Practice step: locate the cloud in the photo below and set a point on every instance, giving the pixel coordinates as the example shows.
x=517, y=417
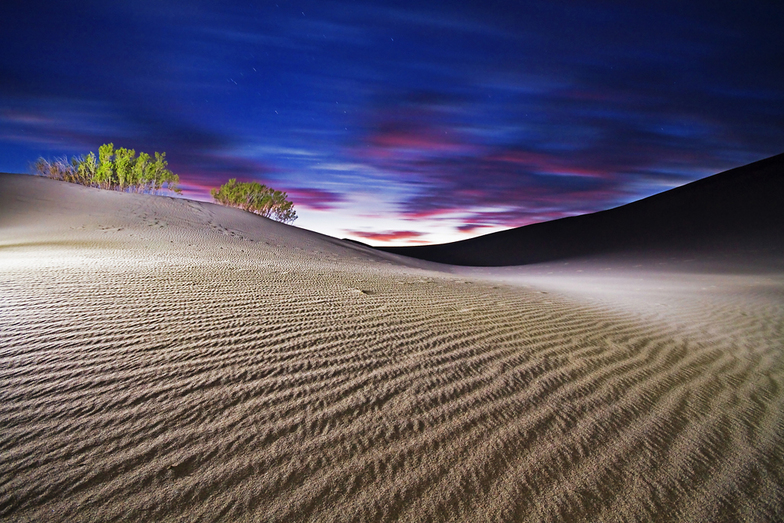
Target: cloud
x=471, y=227
x=316, y=199
x=586, y=147
x=56, y=124
x=386, y=236
x=426, y=144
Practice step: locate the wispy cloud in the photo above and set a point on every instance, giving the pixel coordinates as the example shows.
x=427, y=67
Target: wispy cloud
x=317, y=199
x=386, y=236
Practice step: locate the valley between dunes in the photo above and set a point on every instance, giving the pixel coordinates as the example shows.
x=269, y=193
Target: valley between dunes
x=170, y=360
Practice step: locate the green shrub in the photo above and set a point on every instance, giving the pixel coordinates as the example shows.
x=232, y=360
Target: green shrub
x=86, y=167
x=256, y=198
x=118, y=169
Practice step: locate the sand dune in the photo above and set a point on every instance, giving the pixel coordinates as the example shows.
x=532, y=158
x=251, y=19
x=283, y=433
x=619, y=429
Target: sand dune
x=168, y=360
x=735, y=216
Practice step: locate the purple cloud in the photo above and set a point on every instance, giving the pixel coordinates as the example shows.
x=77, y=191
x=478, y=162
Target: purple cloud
x=316, y=199
x=387, y=236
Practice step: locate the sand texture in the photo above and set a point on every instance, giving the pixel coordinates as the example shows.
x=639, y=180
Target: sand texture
x=168, y=360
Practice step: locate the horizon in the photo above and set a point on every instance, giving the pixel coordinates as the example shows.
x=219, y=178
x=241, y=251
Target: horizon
x=171, y=194
x=403, y=125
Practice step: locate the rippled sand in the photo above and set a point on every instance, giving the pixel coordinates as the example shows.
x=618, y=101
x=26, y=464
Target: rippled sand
x=167, y=360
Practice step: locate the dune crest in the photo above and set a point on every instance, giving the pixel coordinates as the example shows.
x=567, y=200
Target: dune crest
x=735, y=215
x=168, y=360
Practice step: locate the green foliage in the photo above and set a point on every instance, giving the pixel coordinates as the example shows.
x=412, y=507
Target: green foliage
x=141, y=170
x=118, y=169
x=256, y=198
x=160, y=175
x=104, y=176
x=87, y=167
x=123, y=166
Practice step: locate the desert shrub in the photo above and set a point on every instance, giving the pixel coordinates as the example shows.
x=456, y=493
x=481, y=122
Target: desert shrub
x=118, y=169
x=141, y=171
x=57, y=169
x=160, y=175
x=123, y=167
x=104, y=175
x=86, y=167
x=256, y=198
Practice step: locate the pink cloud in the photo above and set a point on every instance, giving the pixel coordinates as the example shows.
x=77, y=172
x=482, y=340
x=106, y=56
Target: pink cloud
x=430, y=213
x=317, y=199
x=426, y=139
x=544, y=163
x=387, y=236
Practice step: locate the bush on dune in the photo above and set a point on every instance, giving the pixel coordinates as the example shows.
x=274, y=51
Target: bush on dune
x=122, y=170
x=256, y=198
x=118, y=169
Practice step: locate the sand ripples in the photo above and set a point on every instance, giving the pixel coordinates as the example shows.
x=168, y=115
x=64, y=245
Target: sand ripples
x=183, y=365
x=229, y=391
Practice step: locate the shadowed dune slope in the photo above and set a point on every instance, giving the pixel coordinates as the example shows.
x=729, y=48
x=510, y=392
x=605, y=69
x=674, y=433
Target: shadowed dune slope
x=738, y=210
x=169, y=360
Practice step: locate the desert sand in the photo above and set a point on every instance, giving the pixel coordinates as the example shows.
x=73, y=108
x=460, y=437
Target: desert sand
x=170, y=360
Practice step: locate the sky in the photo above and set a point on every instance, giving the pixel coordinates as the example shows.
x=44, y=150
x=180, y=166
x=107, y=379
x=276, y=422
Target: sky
x=402, y=122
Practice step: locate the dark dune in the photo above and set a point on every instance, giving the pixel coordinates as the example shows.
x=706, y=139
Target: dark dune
x=738, y=211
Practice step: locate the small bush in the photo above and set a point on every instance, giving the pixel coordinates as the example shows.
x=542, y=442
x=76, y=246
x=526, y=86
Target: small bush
x=256, y=198
x=118, y=169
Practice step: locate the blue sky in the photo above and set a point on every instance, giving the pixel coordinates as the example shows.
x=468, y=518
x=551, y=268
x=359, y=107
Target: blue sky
x=403, y=122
